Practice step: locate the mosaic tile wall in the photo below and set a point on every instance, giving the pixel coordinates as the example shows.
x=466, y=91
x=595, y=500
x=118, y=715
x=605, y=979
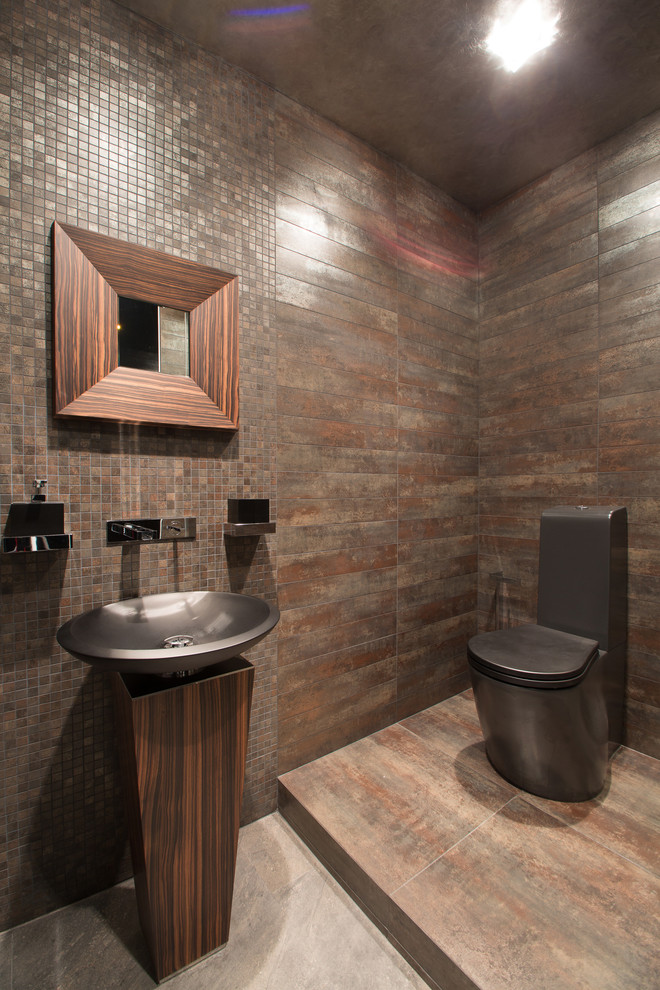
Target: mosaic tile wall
x=118, y=127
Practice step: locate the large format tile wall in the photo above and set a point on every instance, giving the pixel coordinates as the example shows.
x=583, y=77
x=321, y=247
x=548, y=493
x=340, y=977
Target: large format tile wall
x=377, y=468
x=570, y=383
x=629, y=397
x=112, y=124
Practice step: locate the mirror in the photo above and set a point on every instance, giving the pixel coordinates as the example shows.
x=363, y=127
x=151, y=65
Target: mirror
x=96, y=281
x=153, y=337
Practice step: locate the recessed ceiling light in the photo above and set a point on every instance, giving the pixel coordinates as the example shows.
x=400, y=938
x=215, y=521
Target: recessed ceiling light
x=529, y=28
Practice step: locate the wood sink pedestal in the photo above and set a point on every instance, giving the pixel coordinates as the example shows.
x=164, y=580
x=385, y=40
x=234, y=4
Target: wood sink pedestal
x=183, y=745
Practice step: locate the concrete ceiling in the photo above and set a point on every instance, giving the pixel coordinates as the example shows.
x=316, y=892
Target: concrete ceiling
x=412, y=78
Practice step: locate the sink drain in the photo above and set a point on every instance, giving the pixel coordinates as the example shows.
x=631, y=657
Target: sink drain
x=174, y=642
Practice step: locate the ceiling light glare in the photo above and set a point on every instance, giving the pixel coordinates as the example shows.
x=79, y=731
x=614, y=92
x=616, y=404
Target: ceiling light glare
x=294, y=8
x=528, y=29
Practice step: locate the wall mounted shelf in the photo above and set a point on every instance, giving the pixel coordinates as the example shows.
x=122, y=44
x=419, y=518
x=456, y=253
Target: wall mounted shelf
x=248, y=517
x=248, y=529
x=35, y=526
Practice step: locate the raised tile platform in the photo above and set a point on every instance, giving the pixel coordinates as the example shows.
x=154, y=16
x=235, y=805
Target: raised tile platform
x=481, y=885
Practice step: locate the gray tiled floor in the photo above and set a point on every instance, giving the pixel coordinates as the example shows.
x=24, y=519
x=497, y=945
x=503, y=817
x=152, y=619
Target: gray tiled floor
x=293, y=928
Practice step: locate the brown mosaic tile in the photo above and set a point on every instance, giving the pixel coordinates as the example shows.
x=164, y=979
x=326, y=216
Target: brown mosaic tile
x=119, y=127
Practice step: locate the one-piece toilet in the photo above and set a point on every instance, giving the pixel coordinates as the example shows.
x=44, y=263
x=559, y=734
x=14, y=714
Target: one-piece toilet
x=550, y=696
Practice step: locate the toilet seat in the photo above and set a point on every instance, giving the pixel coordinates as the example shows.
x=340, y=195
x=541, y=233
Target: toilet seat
x=533, y=656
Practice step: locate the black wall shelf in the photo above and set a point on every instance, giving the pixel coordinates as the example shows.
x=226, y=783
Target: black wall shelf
x=248, y=517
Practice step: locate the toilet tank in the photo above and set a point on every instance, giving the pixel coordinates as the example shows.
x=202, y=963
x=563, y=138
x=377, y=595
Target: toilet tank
x=583, y=568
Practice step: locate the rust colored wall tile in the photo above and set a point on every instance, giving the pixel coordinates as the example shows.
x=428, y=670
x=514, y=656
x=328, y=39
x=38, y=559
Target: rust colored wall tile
x=430, y=318
x=308, y=566
x=325, y=694
x=331, y=639
x=328, y=300
x=369, y=693
x=351, y=724
x=416, y=387
x=337, y=588
x=326, y=342
x=304, y=675
x=629, y=229
x=569, y=379
x=546, y=310
x=629, y=459
x=432, y=251
x=299, y=539
x=315, y=484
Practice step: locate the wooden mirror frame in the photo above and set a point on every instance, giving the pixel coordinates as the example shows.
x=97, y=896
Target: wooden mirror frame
x=90, y=272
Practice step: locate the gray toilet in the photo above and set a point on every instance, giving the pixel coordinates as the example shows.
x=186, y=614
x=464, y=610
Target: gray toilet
x=550, y=696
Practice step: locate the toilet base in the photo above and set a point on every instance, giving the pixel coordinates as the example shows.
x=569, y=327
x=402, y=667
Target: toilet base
x=550, y=742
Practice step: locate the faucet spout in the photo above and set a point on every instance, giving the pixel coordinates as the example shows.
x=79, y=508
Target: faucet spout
x=133, y=531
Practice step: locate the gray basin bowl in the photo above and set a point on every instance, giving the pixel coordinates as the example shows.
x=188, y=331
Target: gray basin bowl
x=201, y=628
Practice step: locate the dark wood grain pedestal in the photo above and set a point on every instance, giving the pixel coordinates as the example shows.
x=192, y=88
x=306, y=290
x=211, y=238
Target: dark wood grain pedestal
x=183, y=744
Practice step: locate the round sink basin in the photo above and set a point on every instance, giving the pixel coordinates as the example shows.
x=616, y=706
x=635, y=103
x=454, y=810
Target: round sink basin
x=161, y=634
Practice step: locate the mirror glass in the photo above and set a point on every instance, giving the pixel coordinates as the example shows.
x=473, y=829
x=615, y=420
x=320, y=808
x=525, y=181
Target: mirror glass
x=153, y=337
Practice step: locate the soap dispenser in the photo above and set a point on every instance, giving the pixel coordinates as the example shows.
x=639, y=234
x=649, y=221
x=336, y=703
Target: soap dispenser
x=36, y=525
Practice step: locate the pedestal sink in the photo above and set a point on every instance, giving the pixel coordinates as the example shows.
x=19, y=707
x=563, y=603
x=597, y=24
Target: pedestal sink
x=182, y=748
x=160, y=634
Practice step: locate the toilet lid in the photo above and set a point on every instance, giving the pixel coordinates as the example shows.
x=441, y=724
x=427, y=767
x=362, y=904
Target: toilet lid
x=534, y=653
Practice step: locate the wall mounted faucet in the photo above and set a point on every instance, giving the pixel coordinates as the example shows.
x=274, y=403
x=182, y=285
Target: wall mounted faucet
x=155, y=530
x=132, y=531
